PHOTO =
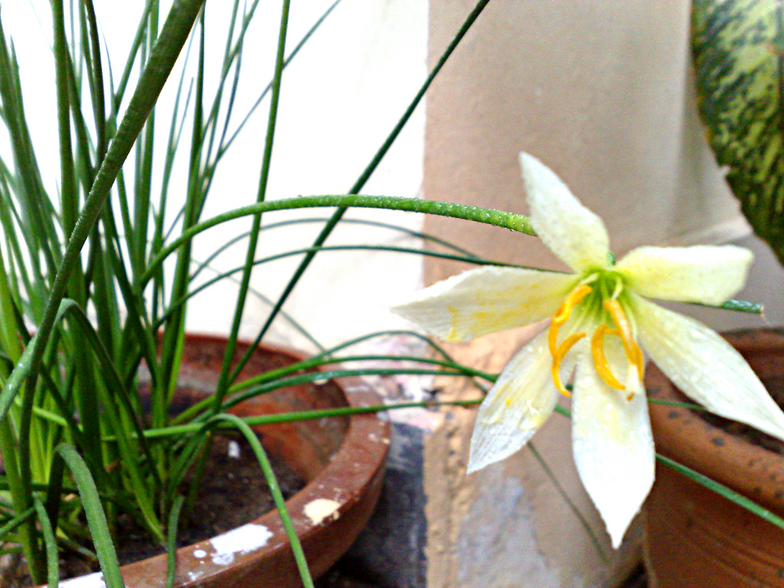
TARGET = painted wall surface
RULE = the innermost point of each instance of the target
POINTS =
(602, 92)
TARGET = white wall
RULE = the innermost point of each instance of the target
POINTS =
(340, 97)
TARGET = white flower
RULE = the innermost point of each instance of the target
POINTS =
(599, 314)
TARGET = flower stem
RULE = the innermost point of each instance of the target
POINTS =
(506, 220)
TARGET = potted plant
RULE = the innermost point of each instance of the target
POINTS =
(697, 536)
(96, 275)
(97, 269)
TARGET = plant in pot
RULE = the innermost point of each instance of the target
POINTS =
(696, 536)
(97, 268)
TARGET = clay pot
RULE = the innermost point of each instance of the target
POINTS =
(341, 458)
(696, 537)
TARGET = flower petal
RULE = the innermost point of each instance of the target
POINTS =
(706, 368)
(521, 400)
(706, 274)
(485, 300)
(571, 231)
(613, 443)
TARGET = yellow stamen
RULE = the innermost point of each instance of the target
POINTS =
(633, 351)
(558, 356)
(599, 359)
(564, 312)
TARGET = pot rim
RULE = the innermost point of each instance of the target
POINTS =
(346, 484)
(683, 436)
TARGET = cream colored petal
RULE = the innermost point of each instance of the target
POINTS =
(485, 300)
(571, 231)
(521, 400)
(613, 443)
(706, 368)
(706, 274)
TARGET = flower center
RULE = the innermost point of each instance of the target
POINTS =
(620, 328)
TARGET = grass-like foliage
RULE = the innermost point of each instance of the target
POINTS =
(97, 270)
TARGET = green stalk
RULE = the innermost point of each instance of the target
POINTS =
(357, 221)
(145, 150)
(96, 82)
(9, 336)
(164, 55)
(231, 343)
(174, 333)
(309, 415)
(171, 541)
(269, 381)
(295, 252)
(52, 559)
(22, 498)
(40, 232)
(723, 490)
(277, 495)
(14, 522)
(96, 519)
(506, 220)
(328, 354)
(68, 190)
(360, 183)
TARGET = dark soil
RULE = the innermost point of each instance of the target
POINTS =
(233, 492)
(775, 386)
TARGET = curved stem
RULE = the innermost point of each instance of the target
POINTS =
(506, 220)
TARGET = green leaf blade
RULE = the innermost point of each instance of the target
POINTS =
(739, 58)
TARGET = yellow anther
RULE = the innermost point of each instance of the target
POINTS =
(564, 312)
(633, 351)
(599, 360)
(558, 356)
(638, 360)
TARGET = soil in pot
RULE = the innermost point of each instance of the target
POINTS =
(233, 492)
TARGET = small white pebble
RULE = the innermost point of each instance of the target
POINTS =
(199, 553)
(233, 450)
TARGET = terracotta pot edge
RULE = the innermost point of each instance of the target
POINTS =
(366, 431)
(684, 437)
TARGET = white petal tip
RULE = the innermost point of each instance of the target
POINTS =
(616, 541)
(617, 532)
(481, 455)
(532, 167)
(569, 229)
(525, 159)
(473, 467)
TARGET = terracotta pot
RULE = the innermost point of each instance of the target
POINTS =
(342, 459)
(696, 537)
